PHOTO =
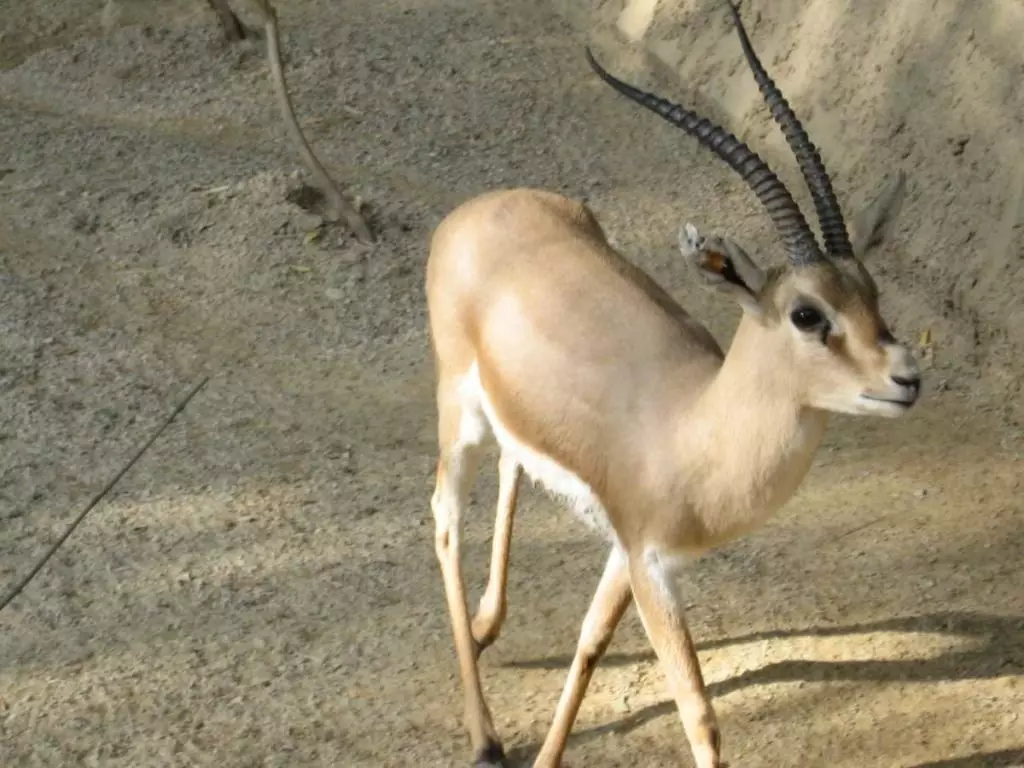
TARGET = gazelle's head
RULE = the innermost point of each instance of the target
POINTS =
(818, 316)
(819, 321)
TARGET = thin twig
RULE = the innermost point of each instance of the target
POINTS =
(16, 590)
(340, 206)
(858, 528)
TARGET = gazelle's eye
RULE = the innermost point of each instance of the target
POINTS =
(808, 319)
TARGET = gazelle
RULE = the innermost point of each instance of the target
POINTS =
(596, 382)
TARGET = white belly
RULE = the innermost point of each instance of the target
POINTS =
(478, 415)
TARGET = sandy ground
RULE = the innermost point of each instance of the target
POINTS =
(262, 590)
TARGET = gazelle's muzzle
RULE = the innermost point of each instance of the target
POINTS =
(901, 386)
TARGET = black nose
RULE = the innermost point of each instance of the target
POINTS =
(903, 381)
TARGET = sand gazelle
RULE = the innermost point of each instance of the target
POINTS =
(594, 381)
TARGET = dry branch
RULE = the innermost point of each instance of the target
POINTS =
(17, 588)
(339, 206)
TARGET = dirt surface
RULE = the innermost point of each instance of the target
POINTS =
(262, 589)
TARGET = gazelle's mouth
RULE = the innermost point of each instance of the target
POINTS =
(892, 406)
(906, 402)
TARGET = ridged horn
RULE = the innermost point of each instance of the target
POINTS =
(830, 214)
(782, 208)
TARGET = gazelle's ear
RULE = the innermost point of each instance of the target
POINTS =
(875, 222)
(724, 265)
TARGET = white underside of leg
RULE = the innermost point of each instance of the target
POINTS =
(478, 415)
(664, 573)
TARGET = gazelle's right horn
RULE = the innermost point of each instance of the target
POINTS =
(830, 214)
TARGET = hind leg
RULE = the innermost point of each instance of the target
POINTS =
(460, 437)
(490, 614)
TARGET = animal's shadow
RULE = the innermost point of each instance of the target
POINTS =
(998, 651)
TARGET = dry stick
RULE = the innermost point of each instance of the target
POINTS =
(856, 529)
(339, 204)
(16, 590)
(233, 29)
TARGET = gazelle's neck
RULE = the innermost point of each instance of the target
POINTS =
(751, 436)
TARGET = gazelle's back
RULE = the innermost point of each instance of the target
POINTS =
(545, 294)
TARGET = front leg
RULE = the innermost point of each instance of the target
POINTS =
(661, 612)
(610, 601)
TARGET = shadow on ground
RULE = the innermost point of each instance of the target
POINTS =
(1006, 758)
(998, 651)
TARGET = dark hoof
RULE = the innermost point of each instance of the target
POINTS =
(492, 756)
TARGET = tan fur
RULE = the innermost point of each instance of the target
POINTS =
(584, 361)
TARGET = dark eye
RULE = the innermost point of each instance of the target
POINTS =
(807, 318)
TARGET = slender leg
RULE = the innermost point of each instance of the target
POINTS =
(661, 612)
(455, 472)
(610, 602)
(490, 614)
